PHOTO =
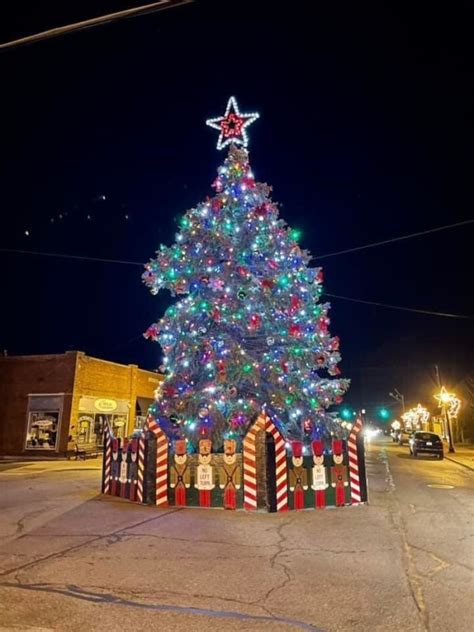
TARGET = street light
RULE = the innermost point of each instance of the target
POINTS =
(450, 405)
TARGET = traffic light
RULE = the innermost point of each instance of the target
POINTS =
(384, 414)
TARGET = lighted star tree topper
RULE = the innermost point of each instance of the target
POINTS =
(248, 333)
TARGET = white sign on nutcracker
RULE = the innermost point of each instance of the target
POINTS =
(319, 477)
(123, 470)
(204, 478)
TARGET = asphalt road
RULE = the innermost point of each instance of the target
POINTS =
(72, 560)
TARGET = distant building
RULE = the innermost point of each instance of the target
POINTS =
(48, 401)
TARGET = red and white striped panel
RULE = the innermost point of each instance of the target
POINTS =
(107, 459)
(354, 462)
(250, 470)
(250, 464)
(161, 477)
(141, 463)
(280, 466)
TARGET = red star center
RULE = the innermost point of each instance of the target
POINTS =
(231, 126)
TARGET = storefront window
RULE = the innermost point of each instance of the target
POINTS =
(85, 430)
(44, 416)
(119, 425)
(139, 422)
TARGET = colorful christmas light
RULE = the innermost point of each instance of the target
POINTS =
(248, 332)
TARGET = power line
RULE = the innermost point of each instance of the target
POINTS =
(394, 239)
(399, 307)
(64, 256)
(137, 263)
(103, 19)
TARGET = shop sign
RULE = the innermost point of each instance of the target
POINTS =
(105, 405)
(43, 423)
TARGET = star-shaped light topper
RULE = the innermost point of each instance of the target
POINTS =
(232, 126)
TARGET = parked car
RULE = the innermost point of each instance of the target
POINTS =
(426, 443)
(404, 436)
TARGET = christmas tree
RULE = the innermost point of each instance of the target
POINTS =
(248, 333)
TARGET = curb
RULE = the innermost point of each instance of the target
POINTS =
(450, 458)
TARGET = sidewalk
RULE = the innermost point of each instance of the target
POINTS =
(19, 466)
(464, 455)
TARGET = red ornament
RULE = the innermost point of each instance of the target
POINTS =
(216, 315)
(261, 210)
(242, 270)
(294, 330)
(273, 264)
(284, 366)
(320, 276)
(338, 399)
(323, 324)
(170, 391)
(267, 284)
(248, 182)
(152, 332)
(255, 321)
(294, 304)
(334, 344)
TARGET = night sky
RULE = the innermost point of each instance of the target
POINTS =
(366, 133)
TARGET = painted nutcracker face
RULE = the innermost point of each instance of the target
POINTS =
(180, 452)
(297, 461)
(205, 452)
(229, 452)
(318, 459)
(337, 458)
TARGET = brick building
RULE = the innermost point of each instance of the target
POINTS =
(46, 399)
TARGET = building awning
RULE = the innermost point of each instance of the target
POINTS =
(143, 403)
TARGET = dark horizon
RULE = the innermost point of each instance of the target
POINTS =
(365, 133)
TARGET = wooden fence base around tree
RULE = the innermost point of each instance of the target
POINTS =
(263, 477)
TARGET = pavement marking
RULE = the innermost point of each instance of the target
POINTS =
(440, 486)
(106, 598)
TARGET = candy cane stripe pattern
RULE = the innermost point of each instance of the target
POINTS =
(141, 462)
(250, 471)
(280, 467)
(108, 459)
(354, 462)
(161, 481)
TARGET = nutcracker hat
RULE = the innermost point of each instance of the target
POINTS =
(205, 446)
(297, 448)
(180, 447)
(318, 447)
(229, 446)
(337, 446)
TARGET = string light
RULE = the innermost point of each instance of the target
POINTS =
(248, 330)
(232, 126)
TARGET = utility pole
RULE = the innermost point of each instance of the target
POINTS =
(399, 397)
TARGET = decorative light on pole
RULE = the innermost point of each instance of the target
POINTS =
(450, 404)
(416, 417)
